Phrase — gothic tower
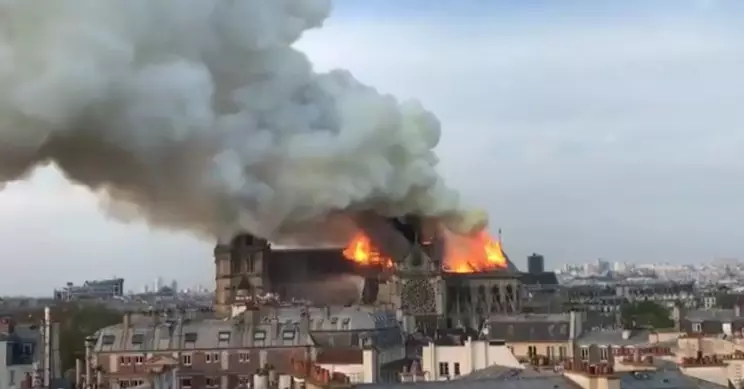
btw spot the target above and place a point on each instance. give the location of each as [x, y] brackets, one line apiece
[240, 266]
[418, 288]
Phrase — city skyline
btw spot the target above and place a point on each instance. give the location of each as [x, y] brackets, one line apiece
[608, 133]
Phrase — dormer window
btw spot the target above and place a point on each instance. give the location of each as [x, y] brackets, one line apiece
[138, 339]
[259, 335]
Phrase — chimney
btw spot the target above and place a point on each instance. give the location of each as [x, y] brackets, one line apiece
[7, 325]
[78, 372]
[273, 329]
[677, 317]
[305, 322]
[626, 334]
[574, 324]
[90, 342]
[263, 358]
[47, 347]
[126, 320]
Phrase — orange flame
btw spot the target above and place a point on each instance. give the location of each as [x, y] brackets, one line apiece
[361, 251]
[471, 254]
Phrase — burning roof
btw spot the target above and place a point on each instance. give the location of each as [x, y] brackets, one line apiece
[461, 254]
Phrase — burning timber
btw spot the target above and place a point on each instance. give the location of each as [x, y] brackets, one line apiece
[422, 270]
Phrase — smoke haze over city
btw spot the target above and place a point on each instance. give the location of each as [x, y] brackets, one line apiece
[584, 132]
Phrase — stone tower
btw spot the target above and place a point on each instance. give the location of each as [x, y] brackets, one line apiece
[417, 285]
[240, 267]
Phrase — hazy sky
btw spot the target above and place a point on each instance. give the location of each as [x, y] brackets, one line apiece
[612, 132]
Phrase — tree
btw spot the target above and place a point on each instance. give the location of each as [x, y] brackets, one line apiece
[76, 322]
[645, 313]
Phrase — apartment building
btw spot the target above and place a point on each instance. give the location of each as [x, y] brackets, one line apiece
[22, 354]
[366, 343]
[532, 335]
[91, 290]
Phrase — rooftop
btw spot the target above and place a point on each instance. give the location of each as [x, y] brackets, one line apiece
[277, 326]
[614, 337]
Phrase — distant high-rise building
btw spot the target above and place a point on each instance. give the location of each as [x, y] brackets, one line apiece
[535, 264]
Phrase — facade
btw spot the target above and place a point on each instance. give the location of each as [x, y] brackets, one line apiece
[22, 356]
[416, 285]
[224, 353]
[91, 290]
[608, 297]
[444, 361]
[533, 335]
[482, 365]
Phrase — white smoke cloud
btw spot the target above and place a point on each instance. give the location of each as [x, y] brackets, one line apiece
[200, 115]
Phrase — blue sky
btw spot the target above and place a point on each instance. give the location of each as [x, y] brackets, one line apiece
[585, 128]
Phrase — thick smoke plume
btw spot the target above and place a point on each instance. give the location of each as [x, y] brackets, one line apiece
[200, 115]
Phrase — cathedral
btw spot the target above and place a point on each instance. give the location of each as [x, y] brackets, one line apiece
[416, 284]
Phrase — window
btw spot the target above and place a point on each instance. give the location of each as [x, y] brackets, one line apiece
[189, 337]
[243, 357]
[138, 339]
[28, 348]
[550, 352]
[186, 382]
[212, 357]
[531, 351]
[562, 354]
[244, 380]
[697, 327]
[604, 353]
[107, 340]
[457, 368]
[186, 359]
[346, 321]
[443, 369]
[288, 335]
[259, 337]
[224, 336]
[140, 359]
[584, 353]
[213, 382]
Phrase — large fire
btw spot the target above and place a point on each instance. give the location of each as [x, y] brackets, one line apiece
[361, 251]
[472, 254]
[463, 254]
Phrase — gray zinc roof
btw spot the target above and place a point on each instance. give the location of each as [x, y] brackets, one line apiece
[613, 338]
[530, 327]
[284, 329]
[725, 315]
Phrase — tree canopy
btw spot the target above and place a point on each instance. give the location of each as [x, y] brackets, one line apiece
[645, 313]
[76, 322]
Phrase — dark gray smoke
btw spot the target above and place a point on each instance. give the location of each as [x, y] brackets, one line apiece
[200, 115]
